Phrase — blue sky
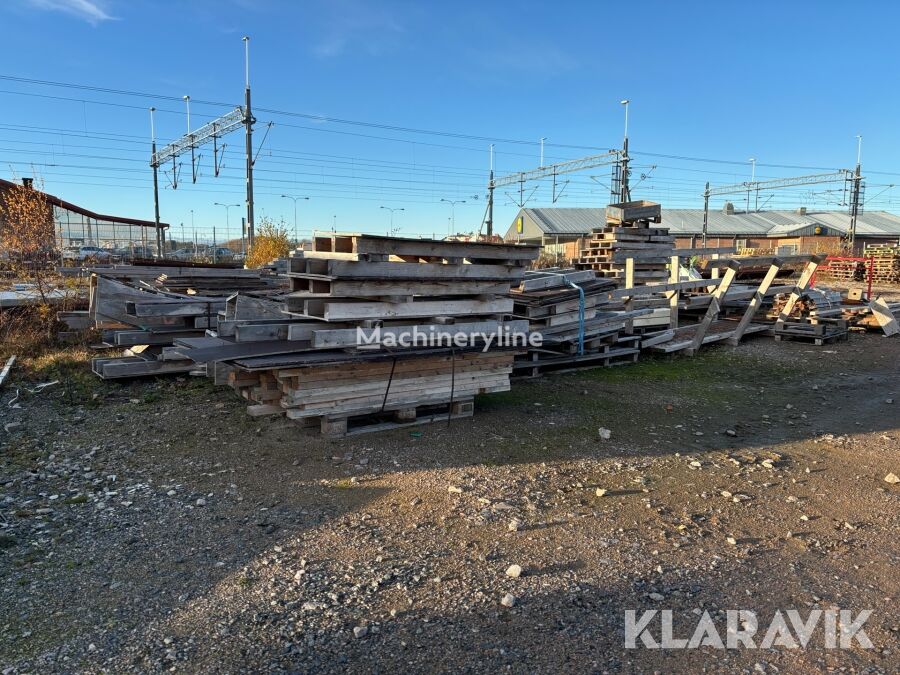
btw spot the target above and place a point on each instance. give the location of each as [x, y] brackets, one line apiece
[789, 83]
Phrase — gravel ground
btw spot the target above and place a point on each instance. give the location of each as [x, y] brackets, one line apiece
[154, 526]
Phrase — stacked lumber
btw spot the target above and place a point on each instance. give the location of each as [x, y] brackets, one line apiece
[885, 263]
[336, 355]
[629, 233]
[551, 301]
[634, 252]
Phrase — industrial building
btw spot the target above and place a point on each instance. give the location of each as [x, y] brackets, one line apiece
[561, 230]
[75, 225]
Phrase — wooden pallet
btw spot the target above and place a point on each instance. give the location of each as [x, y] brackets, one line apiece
[820, 332]
[352, 425]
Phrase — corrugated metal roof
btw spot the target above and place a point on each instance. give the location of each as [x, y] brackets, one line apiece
[690, 222]
[567, 221]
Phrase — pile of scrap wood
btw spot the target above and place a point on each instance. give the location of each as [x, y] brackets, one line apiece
[845, 270]
[634, 252]
[194, 279]
[143, 315]
[881, 315]
[578, 324]
[344, 354]
[813, 302]
[885, 263]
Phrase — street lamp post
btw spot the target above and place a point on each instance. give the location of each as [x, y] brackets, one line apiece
[296, 240]
[752, 161]
[187, 102]
[388, 208]
[453, 204]
[625, 192]
[227, 227]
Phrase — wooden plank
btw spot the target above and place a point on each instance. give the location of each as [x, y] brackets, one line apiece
[650, 289]
[169, 309]
[130, 338]
[130, 366]
[351, 269]
[353, 311]
[540, 281]
[10, 362]
[242, 350]
[316, 287]
[426, 248]
[882, 313]
[674, 295]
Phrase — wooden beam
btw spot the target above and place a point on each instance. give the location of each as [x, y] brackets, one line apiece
[712, 312]
[353, 311]
[755, 302]
[352, 269]
[10, 362]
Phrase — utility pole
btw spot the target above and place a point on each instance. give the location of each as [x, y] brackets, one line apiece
[159, 250]
[490, 212]
[854, 195]
[248, 125]
[625, 195]
[542, 152]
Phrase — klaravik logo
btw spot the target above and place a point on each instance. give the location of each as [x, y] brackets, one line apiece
[837, 629]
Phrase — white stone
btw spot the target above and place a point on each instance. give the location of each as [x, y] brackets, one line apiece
[514, 571]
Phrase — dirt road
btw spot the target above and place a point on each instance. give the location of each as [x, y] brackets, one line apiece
[154, 525]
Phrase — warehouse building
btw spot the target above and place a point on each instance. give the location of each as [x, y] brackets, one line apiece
[562, 230]
[75, 225]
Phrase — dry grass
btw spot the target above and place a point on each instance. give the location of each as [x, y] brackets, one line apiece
[30, 334]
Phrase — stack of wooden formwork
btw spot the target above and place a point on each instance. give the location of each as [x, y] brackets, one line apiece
[143, 316]
[634, 252]
[342, 358]
[551, 301]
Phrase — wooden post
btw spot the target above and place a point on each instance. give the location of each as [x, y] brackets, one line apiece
[629, 283]
[755, 302]
[712, 312]
[675, 295]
